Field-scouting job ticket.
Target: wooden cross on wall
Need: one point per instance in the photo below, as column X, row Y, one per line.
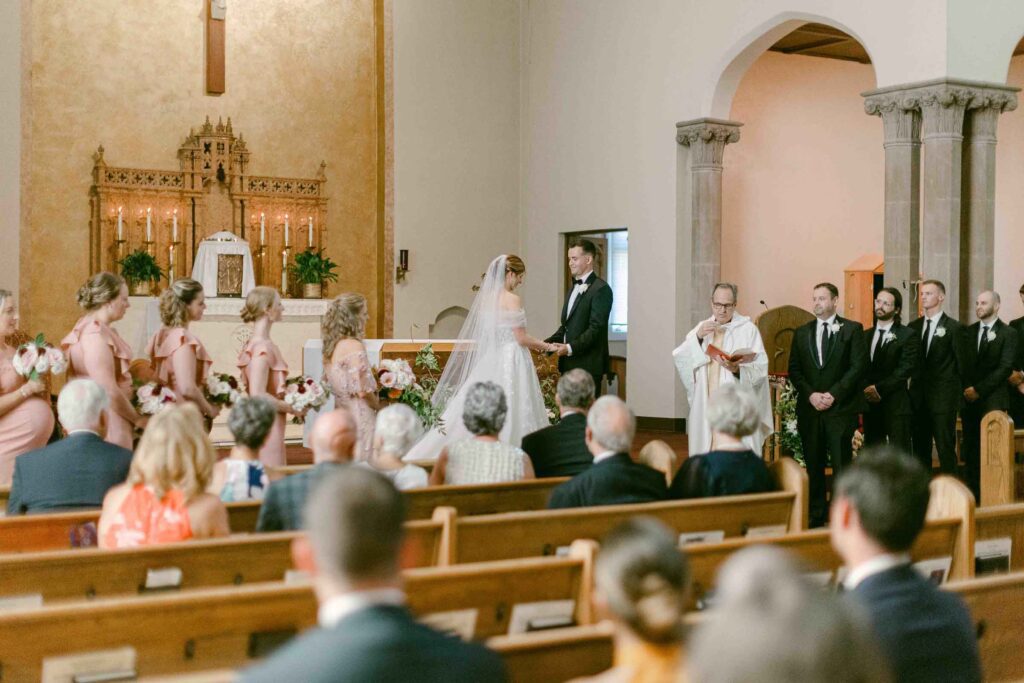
column 215, row 19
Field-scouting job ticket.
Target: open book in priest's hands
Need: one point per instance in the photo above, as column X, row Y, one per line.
column 738, row 356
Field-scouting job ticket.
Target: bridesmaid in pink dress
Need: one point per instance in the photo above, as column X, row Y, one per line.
column 26, row 420
column 95, row 350
column 347, row 368
column 179, row 359
column 263, row 370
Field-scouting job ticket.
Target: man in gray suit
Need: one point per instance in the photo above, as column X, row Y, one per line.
column 76, row 471
column 355, row 532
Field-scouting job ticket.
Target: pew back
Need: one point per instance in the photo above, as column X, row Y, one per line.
column 997, row 608
column 482, row 499
column 1003, row 521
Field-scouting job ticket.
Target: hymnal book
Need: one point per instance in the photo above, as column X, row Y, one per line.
column 738, row 356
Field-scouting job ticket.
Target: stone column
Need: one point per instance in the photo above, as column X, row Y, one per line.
column 977, row 242
column 901, row 121
column 706, row 140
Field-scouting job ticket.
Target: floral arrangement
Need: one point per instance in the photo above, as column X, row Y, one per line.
column 38, row 357
column 399, row 383
column 152, row 397
column 221, row 389
column 303, row 393
column 548, row 389
column 785, row 407
column 394, row 377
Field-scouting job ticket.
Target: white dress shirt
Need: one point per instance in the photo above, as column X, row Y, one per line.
column 604, row 456
column 876, row 565
column 821, row 335
column 931, row 332
column 986, row 323
column 340, row 606
column 881, row 328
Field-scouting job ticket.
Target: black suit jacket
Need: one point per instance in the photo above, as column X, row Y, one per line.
column 937, row 386
column 842, row 373
column 927, row 633
column 585, row 329
column 73, row 473
column 1016, row 398
column 285, row 499
column 380, row 643
column 560, row 450
column 891, row 368
column 614, row 481
column 988, row 369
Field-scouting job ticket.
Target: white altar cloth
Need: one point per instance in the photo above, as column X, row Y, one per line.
column 204, row 269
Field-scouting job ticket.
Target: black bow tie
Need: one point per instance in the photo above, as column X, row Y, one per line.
column 578, row 282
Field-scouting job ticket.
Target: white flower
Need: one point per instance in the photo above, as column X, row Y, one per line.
column 888, row 337
column 42, row 364
column 145, row 392
column 991, row 335
column 940, row 332
column 791, row 426
column 25, row 358
column 58, row 362
column 835, row 327
column 583, row 288
column 387, row 380
column 551, row 414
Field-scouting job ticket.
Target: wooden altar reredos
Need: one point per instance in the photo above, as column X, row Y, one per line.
column 212, row 190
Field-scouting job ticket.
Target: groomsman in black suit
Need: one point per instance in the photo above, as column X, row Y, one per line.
column 893, row 350
column 937, row 385
column 989, row 351
column 827, row 363
column 582, row 337
column 1017, row 379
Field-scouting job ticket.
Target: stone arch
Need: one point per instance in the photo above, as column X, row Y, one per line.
column 448, row 323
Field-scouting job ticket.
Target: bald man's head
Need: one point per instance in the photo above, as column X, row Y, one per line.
column 987, row 305
column 333, row 437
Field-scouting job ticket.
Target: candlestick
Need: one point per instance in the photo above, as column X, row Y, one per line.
column 310, row 232
column 259, row 259
column 149, row 225
column 172, row 261
column 148, row 245
column 263, row 228
column 174, row 227
column 286, row 230
column 284, row 271
column 120, row 224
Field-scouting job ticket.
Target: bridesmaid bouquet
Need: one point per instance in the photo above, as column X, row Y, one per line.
column 303, row 392
column 152, row 397
column 222, row 389
column 38, row 357
column 394, row 377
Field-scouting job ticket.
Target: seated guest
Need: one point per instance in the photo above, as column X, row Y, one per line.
column 560, row 450
column 641, row 583
column 730, row 469
column 878, row 509
column 165, row 499
column 773, row 626
column 482, row 459
column 614, row 479
column 77, row 471
column 333, row 440
column 365, row 632
column 397, row 429
column 658, row 455
column 241, row 475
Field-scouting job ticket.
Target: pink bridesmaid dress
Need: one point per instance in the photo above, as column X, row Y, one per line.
column 82, row 362
column 169, row 342
column 350, row 376
column 272, row 453
column 24, row 428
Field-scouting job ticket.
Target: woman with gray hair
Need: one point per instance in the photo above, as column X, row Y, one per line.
column 730, row 468
column 241, row 475
column 397, row 429
column 482, row 458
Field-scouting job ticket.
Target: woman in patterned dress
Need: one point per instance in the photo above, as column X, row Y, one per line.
column 348, row 369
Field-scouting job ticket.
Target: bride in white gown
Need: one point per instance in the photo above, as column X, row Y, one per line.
column 493, row 346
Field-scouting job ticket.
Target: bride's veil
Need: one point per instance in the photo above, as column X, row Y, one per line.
column 478, row 336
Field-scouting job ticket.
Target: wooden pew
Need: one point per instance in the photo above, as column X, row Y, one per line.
column 1003, row 521
column 999, row 444
column 997, row 607
column 218, row 628
column 5, row 496
column 482, row 499
column 556, row 656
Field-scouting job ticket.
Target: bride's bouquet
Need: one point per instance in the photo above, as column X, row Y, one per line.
column 395, row 376
column 303, row 393
column 221, row 389
column 152, row 397
column 38, row 357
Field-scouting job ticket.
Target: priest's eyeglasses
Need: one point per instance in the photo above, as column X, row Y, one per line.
column 722, row 307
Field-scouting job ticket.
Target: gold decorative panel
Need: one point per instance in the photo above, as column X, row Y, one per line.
column 229, row 275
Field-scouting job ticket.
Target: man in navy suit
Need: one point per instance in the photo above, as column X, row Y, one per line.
column 582, row 337
column 77, row 471
column 893, row 351
column 827, row 363
column 878, row 510
column 561, row 450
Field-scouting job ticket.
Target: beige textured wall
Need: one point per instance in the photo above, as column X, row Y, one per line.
column 129, row 74
column 1009, row 264
column 10, row 143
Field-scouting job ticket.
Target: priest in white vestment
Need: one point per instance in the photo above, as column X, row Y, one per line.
column 701, row 373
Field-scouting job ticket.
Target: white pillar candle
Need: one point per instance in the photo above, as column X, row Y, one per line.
column 263, row 228
column 120, row 223
column 174, row 227
column 286, row 230
column 310, row 232
column 284, row 271
column 149, row 225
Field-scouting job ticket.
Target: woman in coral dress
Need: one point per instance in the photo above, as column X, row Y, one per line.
column 95, row 350
column 26, row 420
column 347, row 367
column 179, row 359
column 263, row 370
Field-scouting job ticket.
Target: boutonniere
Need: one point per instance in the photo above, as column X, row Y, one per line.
column 888, row 337
column 940, row 332
column 991, row 335
column 835, row 327
column 583, row 288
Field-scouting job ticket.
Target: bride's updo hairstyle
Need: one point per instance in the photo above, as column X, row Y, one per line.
column 345, row 318
column 514, row 264
column 257, row 304
column 644, row 580
column 101, row 288
column 175, row 300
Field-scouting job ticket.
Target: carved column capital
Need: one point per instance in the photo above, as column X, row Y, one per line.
column 707, row 139
column 901, row 117
column 942, row 104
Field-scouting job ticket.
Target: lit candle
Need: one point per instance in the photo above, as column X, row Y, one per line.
column 263, row 228
column 286, row 230
column 120, row 223
column 149, row 224
column 174, row 227
column 284, row 270
column 310, row 232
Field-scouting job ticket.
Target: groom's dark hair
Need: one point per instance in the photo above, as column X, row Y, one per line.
column 587, row 246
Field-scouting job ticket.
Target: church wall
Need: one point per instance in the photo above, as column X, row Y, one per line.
column 804, row 189
column 457, row 124
column 1009, row 234
column 301, row 88
column 10, row 143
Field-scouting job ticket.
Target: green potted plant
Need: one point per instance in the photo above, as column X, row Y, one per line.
column 141, row 271
column 313, row 269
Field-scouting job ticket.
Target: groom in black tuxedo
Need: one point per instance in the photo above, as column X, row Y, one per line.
column 582, row 338
column 827, row 365
column 893, row 349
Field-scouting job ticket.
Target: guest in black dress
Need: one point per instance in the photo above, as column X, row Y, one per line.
column 730, row 468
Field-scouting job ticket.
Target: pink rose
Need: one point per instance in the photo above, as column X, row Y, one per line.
column 387, row 380
column 25, row 359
